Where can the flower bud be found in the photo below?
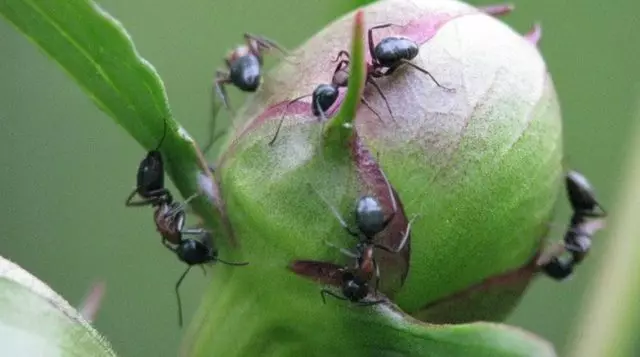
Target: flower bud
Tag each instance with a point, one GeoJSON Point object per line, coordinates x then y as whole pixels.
{"type": "Point", "coordinates": [472, 150]}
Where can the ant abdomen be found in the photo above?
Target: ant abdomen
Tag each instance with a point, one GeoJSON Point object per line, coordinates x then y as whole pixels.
{"type": "Point", "coordinates": [244, 72]}
{"type": "Point", "coordinates": [150, 175]}
{"type": "Point", "coordinates": [369, 216]}
{"type": "Point", "coordinates": [580, 192]}
{"type": "Point", "coordinates": [391, 49]}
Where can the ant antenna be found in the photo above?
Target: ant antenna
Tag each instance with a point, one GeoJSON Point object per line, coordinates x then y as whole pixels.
{"type": "Point", "coordinates": [284, 112]}
{"type": "Point", "coordinates": [178, 294]}
{"type": "Point", "coordinates": [164, 135]}
{"type": "Point", "coordinates": [394, 205]}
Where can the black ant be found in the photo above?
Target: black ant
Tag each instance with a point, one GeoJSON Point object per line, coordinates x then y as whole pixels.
{"type": "Point", "coordinates": [326, 94]}
{"type": "Point", "coordinates": [170, 219]}
{"type": "Point", "coordinates": [577, 239]}
{"type": "Point", "coordinates": [245, 66]}
{"type": "Point", "coordinates": [390, 54]}
{"type": "Point", "coordinates": [393, 52]}
{"type": "Point", "coordinates": [370, 221]}
{"type": "Point", "coordinates": [353, 282]}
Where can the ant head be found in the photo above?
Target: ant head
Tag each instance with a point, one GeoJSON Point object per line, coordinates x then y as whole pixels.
{"type": "Point", "coordinates": [323, 98]}
{"type": "Point", "coordinates": [580, 193]}
{"type": "Point", "coordinates": [369, 216]}
{"type": "Point", "coordinates": [193, 252]}
{"type": "Point", "coordinates": [150, 175]}
{"type": "Point", "coordinates": [354, 288]}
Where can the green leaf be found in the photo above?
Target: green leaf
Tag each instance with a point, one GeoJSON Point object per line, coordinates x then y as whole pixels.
{"type": "Point", "coordinates": [94, 49]}
{"type": "Point", "coordinates": [35, 321]}
{"type": "Point", "coordinates": [340, 128]}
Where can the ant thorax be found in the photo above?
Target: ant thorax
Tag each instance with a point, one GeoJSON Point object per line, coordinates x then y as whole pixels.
{"type": "Point", "coordinates": [169, 222]}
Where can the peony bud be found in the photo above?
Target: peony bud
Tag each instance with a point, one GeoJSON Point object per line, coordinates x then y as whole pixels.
{"type": "Point", "coordinates": [474, 165]}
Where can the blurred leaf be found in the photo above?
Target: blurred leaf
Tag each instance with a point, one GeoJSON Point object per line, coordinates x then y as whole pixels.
{"type": "Point", "coordinates": [98, 53]}
{"type": "Point", "coordinates": [609, 320]}
{"type": "Point", "coordinates": [35, 321]}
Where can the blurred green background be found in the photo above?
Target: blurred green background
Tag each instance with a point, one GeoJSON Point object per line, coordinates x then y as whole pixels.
{"type": "Point", "coordinates": [67, 168]}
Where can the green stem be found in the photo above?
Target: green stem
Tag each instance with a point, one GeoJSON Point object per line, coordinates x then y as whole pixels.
{"type": "Point", "coordinates": [339, 129]}
{"type": "Point", "coordinates": [611, 311]}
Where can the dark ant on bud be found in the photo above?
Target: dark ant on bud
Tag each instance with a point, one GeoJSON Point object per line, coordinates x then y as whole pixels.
{"type": "Point", "coordinates": [169, 218]}
{"type": "Point", "coordinates": [392, 53]}
{"type": "Point", "coordinates": [244, 66]}
{"type": "Point", "coordinates": [325, 95]}
{"type": "Point", "coordinates": [353, 282]}
{"type": "Point", "coordinates": [577, 239]}
{"type": "Point", "coordinates": [370, 221]}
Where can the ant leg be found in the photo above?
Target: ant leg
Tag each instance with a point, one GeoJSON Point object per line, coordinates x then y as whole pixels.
{"type": "Point", "coordinates": [275, 136]}
{"type": "Point", "coordinates": [368, 105]}
{"type": "Point", "coordinates": [344, 251]}
{"type": "Point", "coordinates": [377, 270]}
{"type": "Point", "coordinates": [263, 42]}
{"type": "Point", "coordinates": [222, 78]}
{"type": "Point", "coordinates": [212, 136]}
{"type": "Point", "coordinates": [379, 90]}
{"type": "Point", "coordinates": [204, 271]}
{"type": "Point", "coordinates": [321, 113]}
{"type": "Point", "coordinates": [326, 291]}
{"type": "Point", "coordinates": [180, 207]}
{"type": "Point", "coordinates": [369, 303]}
{"type": "Point", "coordinates": [392, 197]}
{"type": "Point", "coordinates": [194, 231]}
{"type": "Point", "coordinates": [407, 62]}
{"type": "Point", "coordinates": [178, 295]}
{"type": "Point", "coordinates": [340, 54]}
{"type": "Point", "coordinates": [168, 245]}
{"type": "Point", "coordinates": [232, 263]}
{"type": "Point", "coordinates": [156, 197]}
{"type": "Point", "coordinates": [403, 242]}
{"type": "Point", "coordinates": [370, 39]}
{"type": "Point", "coordinates": [335, 212]}
{"type": "Point", "coordinates": [128, 202]}
{"type": "Point", "coordinates": [257, 44]}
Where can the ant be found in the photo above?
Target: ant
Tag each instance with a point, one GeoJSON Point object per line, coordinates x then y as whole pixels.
{"type": "Point", "coordinates": [326, 94]}
{"type": "Point", "coordinates": [353, 282]}
{"type": "Point", "coordinates": [577, 239]}
{"type": "Point", "coordinates": [370, 221]}
{"type": "Point", "coordinates": [169, 218]}
{"type": "Point", "coordinates": [245, 66]}
{"type": "Point", "coordinates": [388, 55]}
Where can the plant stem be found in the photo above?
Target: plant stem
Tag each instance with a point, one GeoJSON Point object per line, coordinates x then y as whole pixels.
{"type": "Point", "coordinates": [611, 308]}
